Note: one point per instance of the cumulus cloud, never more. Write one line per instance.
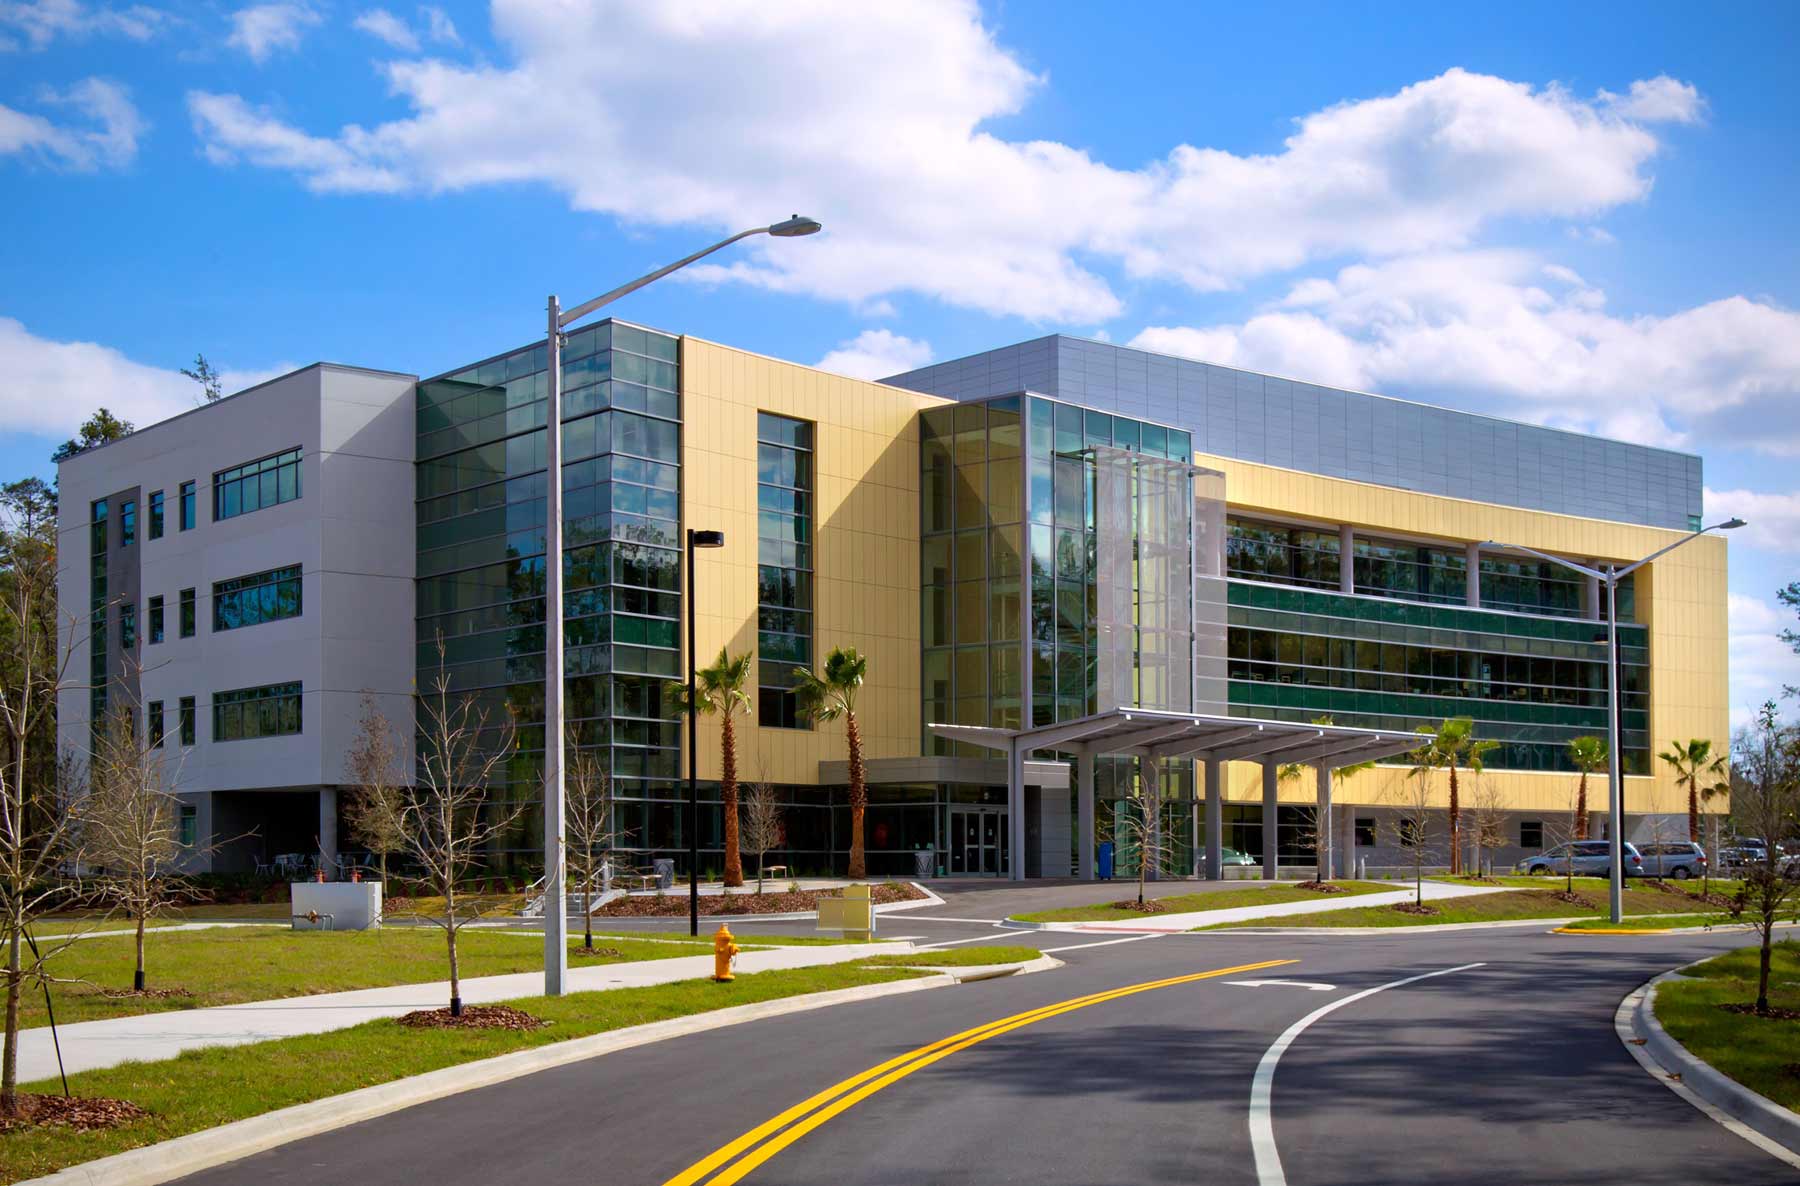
(876, 354)
(55, 385)
(263, 30)
(385, 26)
(1771, 521)
(108, 138)
(37, 23)
(1658, 100)
(1503, 331)
(1762, 665)
(876, 119)
(241, 132)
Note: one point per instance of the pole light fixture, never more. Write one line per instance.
(556, 950)
(1610, 575)
(695, 539)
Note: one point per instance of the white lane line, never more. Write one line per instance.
(1101, 943)
(986, 922)
(1262, 1125)
(974, 939)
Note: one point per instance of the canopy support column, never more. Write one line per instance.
(1322, 825)
(1270, 812)
(1215, 819)
(1015, 810)
(1084, 811)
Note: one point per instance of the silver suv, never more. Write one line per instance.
(1591, 858)
(1680, 861)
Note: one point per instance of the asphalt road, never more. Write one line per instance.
(1506, 1072)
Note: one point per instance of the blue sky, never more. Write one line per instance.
(1573, 214)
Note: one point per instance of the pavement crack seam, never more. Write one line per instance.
(773, 1135)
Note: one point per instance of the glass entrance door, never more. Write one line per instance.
(977, 841)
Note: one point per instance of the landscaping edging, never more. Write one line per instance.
(1758, 1119)
(189, 1154)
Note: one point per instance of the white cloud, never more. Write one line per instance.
(1592, 234)
(240, 133)
(1771, 521)
(385, 26)
(1761, 663)
(876, 354)
(54, 386)
(874, 119)
(109, 141)
(262, 30)
(1507, 333)
(438, 25)
(1658, 100)
(40, 22)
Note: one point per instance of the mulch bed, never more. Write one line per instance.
(1414, 908)
(1147, 906)
(1774, 1014)
(1572, 899)
(1320, 887)
(474, 1017)
(144, 994)
(675, 902)
(594, 953)
(82, 1115)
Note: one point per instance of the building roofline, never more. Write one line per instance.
(469, 366)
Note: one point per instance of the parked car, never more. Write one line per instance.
(1680, 861)
(1743, 852)
(1232, 856)
(1591, 858)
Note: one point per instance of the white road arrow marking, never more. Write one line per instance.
(1312, 985)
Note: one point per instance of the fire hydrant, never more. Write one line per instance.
(724, 950)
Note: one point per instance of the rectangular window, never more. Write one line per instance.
(127, 627)
(1365, 831)
(244, 714)
(256, 485)
(127, 523)
(257, 598)
(156, 620)
(185, 719)
(189, 825)
(1531, 833)
(156, 514)
(187, 506)
(784, 626)
(153, 721)
(187, 613)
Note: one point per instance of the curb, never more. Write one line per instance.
(1754, 1117)
(1429, 929)
(968, 974)
(930, 899)
(196, 1151)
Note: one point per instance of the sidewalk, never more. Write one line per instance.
(1160, 923)
(89, 1045)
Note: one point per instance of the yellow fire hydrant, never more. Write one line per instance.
(724, 950)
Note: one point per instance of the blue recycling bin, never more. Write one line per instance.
(1106, 860)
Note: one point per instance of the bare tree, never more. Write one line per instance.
(589, 827)
(763, 823)
(1140, 818)
(447, 816)
(1412, 796)
(376, 810)
(1487, 821)
(1766, 797)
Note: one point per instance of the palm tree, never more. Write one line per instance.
(1449, 746)
(1588, 754)
(720, 688)
(828, 697)
(1693, 762)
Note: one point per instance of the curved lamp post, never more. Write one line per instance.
(556, 951)
(1610, 576)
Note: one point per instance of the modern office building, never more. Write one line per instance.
(1075, 569)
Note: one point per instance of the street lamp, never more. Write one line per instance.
(1610, 576)
(695, 539)
(556, 952)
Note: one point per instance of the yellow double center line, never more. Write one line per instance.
(777, 1133)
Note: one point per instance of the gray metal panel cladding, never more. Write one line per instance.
(1339, 433)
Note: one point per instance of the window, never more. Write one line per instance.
(127, 523)
(153, 720)
(243, 714)
(127, 627)
(187, 506)
(156, 620)
(185, 719)
(1365, 831)
(257, 598)
(1411, 830)
(256, 485)
(1531, 833)
(189, 824)
(784, 618)
(187, 613)
(156, 514)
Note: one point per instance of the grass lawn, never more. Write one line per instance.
(1538, 902)
(962, 957)
(1182, 903)
(205, 1088)
(225, 966)
(1761, 1053)
(1653, 922)
(1583, 885)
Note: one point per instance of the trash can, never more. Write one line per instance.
(665, 872)
(923, 862)
(1105, 862)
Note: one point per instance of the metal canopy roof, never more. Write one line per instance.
(1154, 733)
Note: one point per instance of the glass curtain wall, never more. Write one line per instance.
(481, 484)
(784, 531)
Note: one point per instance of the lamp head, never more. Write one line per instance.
(795, 227)
(706, 539)
(1731, 524)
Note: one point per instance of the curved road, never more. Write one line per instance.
(1505, 1072)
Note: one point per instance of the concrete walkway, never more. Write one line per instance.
(89, 1045)
(1159, 923)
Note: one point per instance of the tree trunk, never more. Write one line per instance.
(587, 909)
(450, 941)
(1455, 824)
(1581, 811)
(859, 799)
(137, 980)
(1693, 812)
(1762, 971)
(728, 795)
(759, 874)
(9, 1071)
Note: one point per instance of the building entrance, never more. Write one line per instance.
(978, 842)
